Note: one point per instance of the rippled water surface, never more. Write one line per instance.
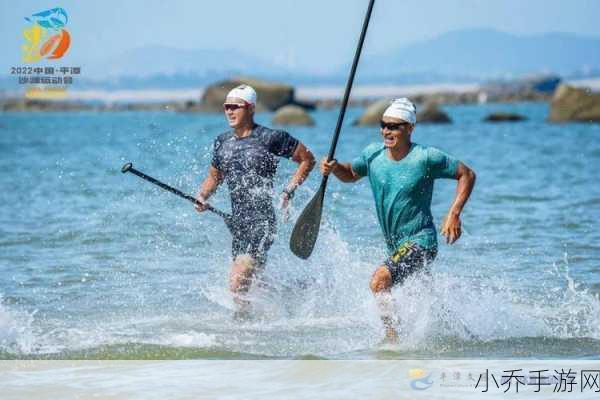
(96, 264)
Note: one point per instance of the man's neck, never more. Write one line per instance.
(244, 130)
(399, 152)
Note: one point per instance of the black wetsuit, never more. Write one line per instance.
(249, 165)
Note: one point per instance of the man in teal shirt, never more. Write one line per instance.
(401, 174)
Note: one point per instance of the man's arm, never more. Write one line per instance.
(306, 162)
(466, 180)
(342, 171)
(208, 186)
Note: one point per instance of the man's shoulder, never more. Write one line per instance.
(264, 132)
(372, 150)
(421, 148)
(426, 151)
(223, 137)
(421, 151)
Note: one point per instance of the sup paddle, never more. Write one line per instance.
(129, 168)
(306, 230)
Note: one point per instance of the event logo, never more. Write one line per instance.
(46, 37)
(419, 379)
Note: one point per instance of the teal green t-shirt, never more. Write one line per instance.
(403, 189)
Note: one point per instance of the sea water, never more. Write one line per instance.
(97, 264)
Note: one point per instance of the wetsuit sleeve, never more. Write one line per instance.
(216, 157)
(282, 144)
(359, 165)
(440, 164)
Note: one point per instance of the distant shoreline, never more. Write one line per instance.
(303, 93)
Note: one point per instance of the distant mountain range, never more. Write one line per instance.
(159, 60)
(482, 54)
(474, 55)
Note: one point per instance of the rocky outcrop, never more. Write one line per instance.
(373, 113)
(292, 115)
(504, 117)
(574, 104)
(271, 95)
(432, 114)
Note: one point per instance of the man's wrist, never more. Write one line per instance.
(454, 213)
(289, 191)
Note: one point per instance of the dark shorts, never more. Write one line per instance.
(254, 239)
(407, 260)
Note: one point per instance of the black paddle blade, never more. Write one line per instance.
(306, 230)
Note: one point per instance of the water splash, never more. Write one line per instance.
(16, 332)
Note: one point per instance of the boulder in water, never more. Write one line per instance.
(292, 115)
(271, 95)
(373, 113)
(574, 104)
(432, 114)
(504, 117)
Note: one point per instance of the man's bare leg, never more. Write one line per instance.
(240, 280)
(381, 284)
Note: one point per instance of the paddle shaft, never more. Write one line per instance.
(177, 192)
(340, 120)
(306, 230)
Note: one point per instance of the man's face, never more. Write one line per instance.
(395, 132)
(238, 112)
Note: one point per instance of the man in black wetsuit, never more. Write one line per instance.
(246, 157)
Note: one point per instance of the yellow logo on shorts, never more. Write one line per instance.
(401, 252)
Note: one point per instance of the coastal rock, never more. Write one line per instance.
(373, 113)
(504, 117)
(292, 115)
(271, 95)
(432, 114)
(574, 104)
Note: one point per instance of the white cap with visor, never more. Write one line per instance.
(244, 92)
(403, 109)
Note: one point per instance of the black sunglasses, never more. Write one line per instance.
(392, 126)
(233, 106)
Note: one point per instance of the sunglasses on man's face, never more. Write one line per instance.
(233, 106)
(392, 126)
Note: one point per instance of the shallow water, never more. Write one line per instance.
(96, 264)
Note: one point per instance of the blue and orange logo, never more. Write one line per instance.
(419, 379)
(46, 37)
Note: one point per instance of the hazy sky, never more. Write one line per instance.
(311, 34)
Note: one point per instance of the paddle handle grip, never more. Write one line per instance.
(129, 168)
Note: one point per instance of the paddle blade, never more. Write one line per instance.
(306, 230)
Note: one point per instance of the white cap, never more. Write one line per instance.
(244, 92)
(402, 108)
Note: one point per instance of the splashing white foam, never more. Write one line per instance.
(16, 335)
